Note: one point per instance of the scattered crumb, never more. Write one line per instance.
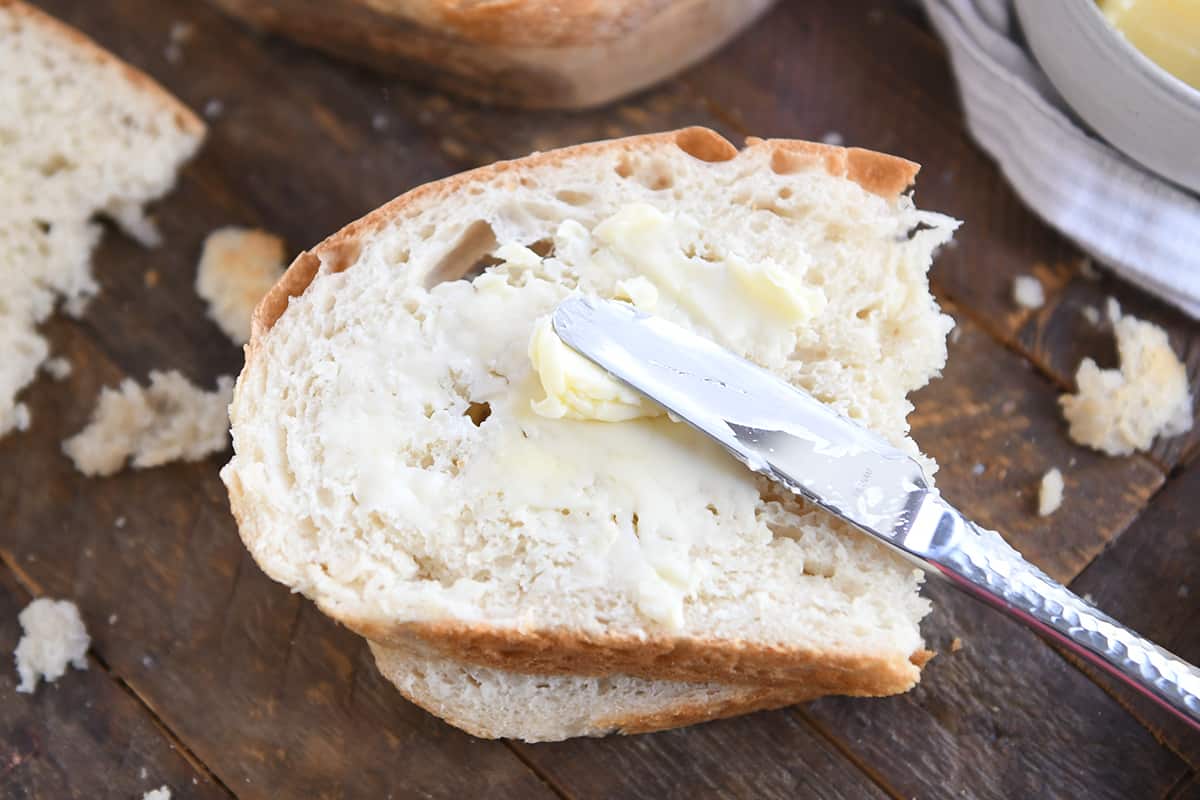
(1088, 270)
(978, 469)
(177, 37)
(143, 773)
(147, 661)
(150, 278)
(214, 108)
(1112, 310)
(1027, 292)
(1008, 407)
(379, 121)
(1072, 461)
(119, 522)
(237, 267)
(955, 334)
(956, 644)
(170, 420)
(31, 558)
(1091, 314)
(1120, 411)
(53, 638)
(455, 149)
(21, 418)
(1088, 597)
(161, 793)
(1050, 493)
(57, 368)
(1183, 591)
(112, 619)
(834, 138)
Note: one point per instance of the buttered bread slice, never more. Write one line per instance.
(418, 453)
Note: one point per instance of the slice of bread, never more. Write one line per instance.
(497, 704)
(81, 134)
(389, 463)
(531, 53)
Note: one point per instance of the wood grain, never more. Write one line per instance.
(1150, 580)
(1003, 717)
(765, 755)
(83, 736)
(278, 701)
(992, 424)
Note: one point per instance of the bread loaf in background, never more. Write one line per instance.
(529, 53)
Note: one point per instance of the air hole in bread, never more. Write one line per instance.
(42, 225)
(704, 145)
(915, 229)
(468, 258)
(818, 569)
(543, 247)
(54, 165)
(624, 167)
(657, 177)
(573, 198)
(478, 412)
(785, 193)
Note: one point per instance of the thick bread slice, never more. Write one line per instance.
(365, 476)
(496, 704)
(81, 134)
(532, 53)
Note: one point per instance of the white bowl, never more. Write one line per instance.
(1137, 106)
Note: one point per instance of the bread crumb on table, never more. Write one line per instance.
(150, 278)
(57, 368)
(214, 108)
(53, 638)
(956, 644)
(1050, 492)
(1027, 292)
(833, 138)
(161, 793)
(21, 418)
(237, 267)
(1120, 411)
(1091, 314)
(170, 420)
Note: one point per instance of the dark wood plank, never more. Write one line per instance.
(765, 755)
(1189, 789)
(1150, 580)
(981, 713)
(1003, 717)
(1059, 336)
(273, 697)
(83, 736)
(992, 424)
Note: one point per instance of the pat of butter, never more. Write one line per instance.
(578, 389)
(1166, 31)
(778, 290)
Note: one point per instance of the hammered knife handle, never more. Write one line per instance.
(981, 563)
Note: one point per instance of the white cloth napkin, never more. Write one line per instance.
(1143, 227)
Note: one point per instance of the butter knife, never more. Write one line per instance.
(787, 435)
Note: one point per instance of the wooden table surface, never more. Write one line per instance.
(208, 677)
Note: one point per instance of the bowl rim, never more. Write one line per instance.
(1183, 90)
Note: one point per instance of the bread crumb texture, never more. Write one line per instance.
(237, 267)
(391, 464)
(1028, 292)
(53, 638)
(1050, 492)
(169, 420)
(81, 135)
(1120, 411)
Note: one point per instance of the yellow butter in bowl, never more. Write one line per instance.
(1166, 31)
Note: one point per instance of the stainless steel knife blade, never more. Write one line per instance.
(779, 430)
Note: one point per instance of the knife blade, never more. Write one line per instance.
(781, 431)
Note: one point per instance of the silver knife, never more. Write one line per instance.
(784, 433)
